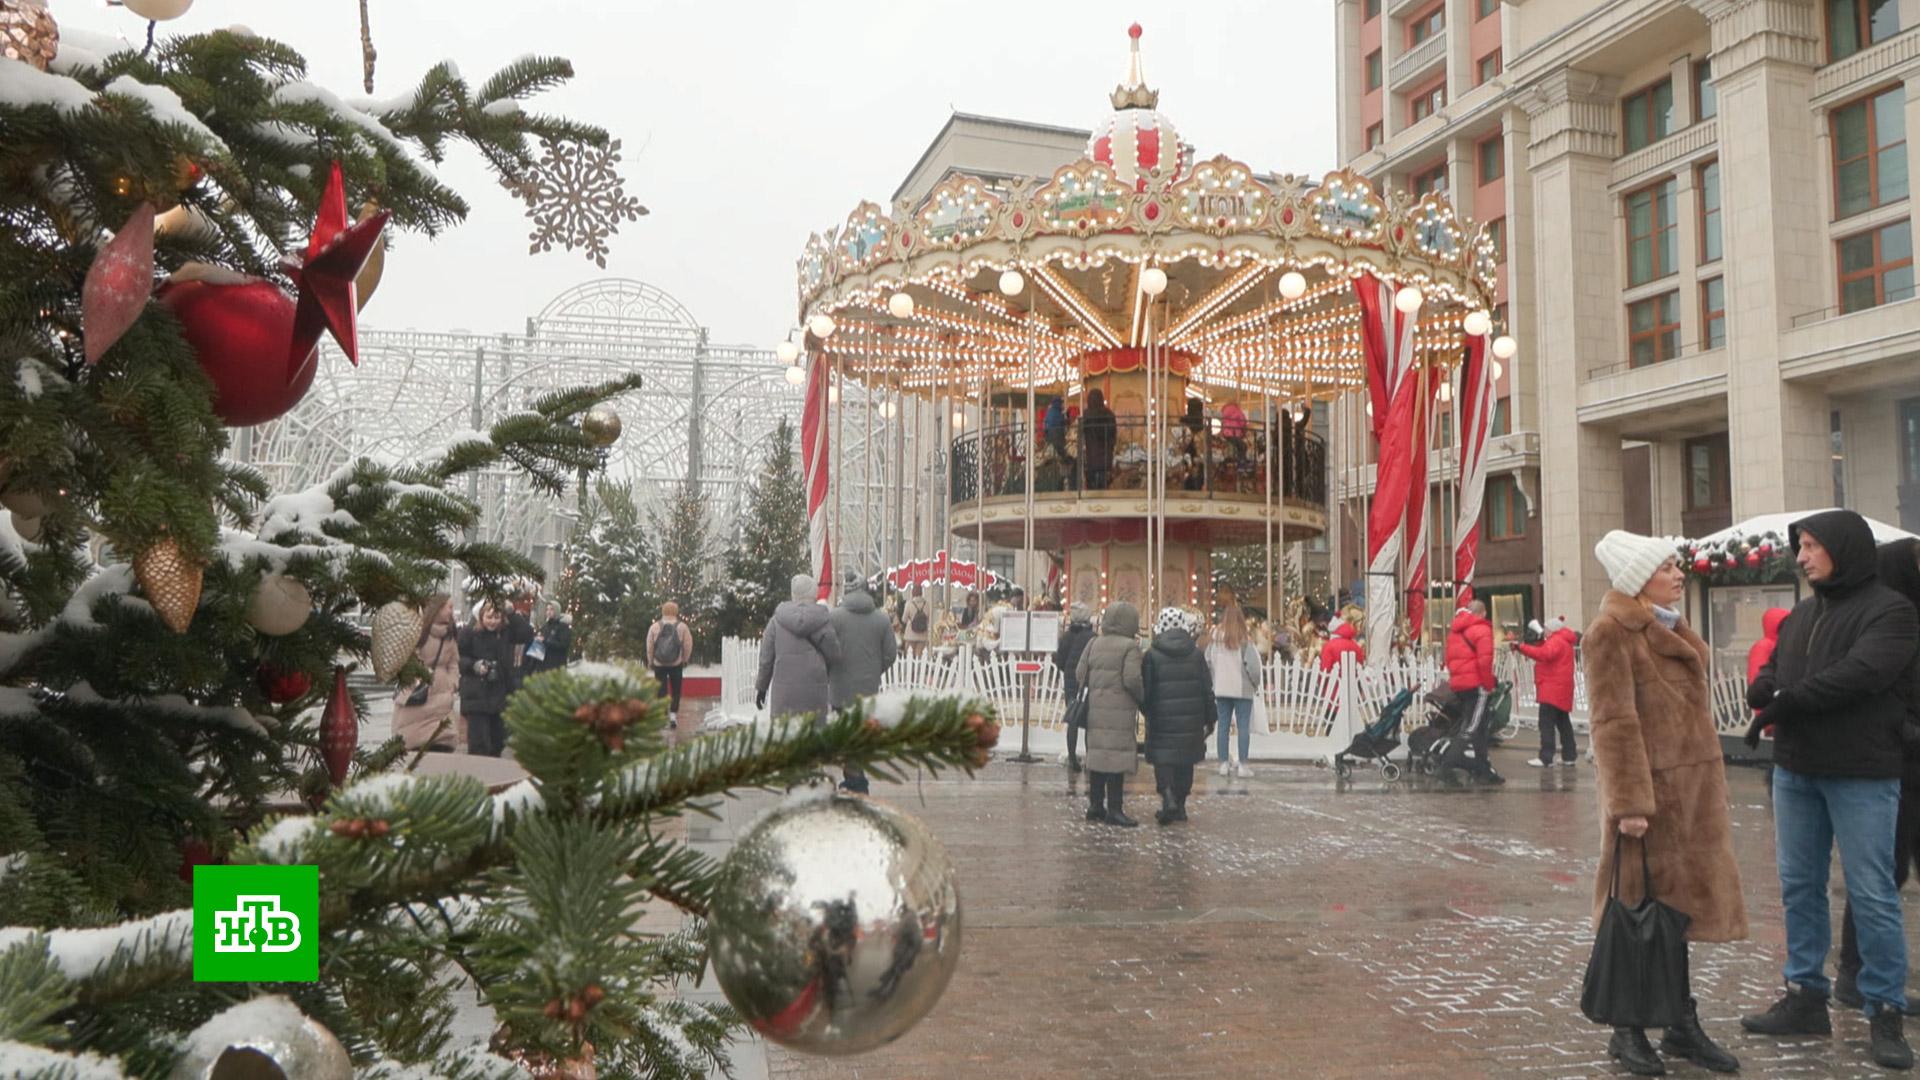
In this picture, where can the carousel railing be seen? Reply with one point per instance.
(1199, 463)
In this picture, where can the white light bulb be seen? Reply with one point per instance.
(1505, 347)
(1498, 371)
(833, 395)
(1153, 281)
(1477, 323)
(886, 409)
(159, 10)
(1293, 284)
(796, 375)
(1408, 299)
(1011, 283)
(1215, 424)
(1446, 391)
(787, 351)
(959, 419)
(821, 325)
(901, 305)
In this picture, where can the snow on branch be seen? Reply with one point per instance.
(20, 1059)
(81, 954)
(173, 705)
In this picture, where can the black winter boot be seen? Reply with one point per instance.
(1096, 797)
(1889, 1044)
(1179, 808)
(1798, 1012)
(1165, 813)
(1117, 790)
(1687, 1040)
(1630, 1047)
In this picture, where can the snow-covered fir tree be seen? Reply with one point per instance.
(770, 546)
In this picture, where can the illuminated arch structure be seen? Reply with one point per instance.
(705, 412)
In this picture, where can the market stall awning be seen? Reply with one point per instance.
(1777, 524)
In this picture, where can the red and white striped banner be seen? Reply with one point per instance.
(1393, 387)
(815, 472)
(1419, 529)
(1476, 429)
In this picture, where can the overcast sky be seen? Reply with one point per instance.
(746, 126)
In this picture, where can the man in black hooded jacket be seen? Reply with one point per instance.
(1835, 695)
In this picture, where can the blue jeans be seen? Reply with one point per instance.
(1227, 709)
(1809, 814)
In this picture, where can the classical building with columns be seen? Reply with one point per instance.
(1705, 215)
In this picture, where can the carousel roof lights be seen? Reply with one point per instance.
(1075, 305)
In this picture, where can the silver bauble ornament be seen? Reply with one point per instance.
(396, 629)
(602, 426)
(28, 528)
(279, 606)
(836, 924)
(23, 502)
(265, 1038)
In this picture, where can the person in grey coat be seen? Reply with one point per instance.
(1110, 670)
(867, 650)
(798, 654)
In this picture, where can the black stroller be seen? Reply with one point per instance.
(1447, 747)
(1379, 739)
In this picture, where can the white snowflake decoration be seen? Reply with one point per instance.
(576, 198)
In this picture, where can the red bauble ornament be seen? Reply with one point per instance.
(1766, 550)
(240, 333)
(118, 283)
(1753, 559)
(1702, 565)
(339, 729)
(281, 686)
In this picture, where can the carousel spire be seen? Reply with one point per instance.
(1133, 93)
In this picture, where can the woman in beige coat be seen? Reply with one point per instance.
(434, 723)
(1663, 779)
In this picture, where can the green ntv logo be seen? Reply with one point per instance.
(256, 923)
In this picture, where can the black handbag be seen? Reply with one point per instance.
(1077, 711)
(423, 689)
(1637, 975)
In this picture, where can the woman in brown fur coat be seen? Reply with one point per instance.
(1662, 776)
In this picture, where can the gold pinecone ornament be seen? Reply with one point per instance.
(171, 582)
(28, 32)
(396, 629)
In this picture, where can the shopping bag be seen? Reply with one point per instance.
(1260, 723)
(1637, 975)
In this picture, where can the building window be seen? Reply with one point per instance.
(1839, 447)
(1869, 153)
(1706, 103)
(1653, 329)
(1648, 115)
(1651, 233)
(1376, 134)
(1876, 267)
(1713, 313)
(1502, 422)
(1373, 9)
(1708, 475)
(1486, 67)
(1707, 181)
(1484, 8)
(1493, 158)
(1506, 510)
(1853, 25)
(1427, 103)
(1433, 180)
(1373, 70)
(1497, 235)
(1910, 441)
(1426, 24)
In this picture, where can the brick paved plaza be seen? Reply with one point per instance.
(1292, 929)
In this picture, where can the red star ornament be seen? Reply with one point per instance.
(336, 252)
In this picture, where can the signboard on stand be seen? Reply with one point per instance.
(1030, 632)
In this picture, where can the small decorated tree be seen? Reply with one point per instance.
(771, 543)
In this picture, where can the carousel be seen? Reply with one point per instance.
(1124, 356)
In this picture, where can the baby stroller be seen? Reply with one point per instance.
(1380, 738)
(1448, 745)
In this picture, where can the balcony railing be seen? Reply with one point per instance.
(1200, 464)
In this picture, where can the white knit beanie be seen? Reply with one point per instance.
(1631, 559)
(1554, 625)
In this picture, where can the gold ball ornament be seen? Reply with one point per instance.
(28, 32)
(376, 264)
(396, 628)
(28, 528)
(279, 606)
(171, 582)
(602, 426)
(264, 1038)
(184, 221)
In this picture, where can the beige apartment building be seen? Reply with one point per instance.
(1704, 213)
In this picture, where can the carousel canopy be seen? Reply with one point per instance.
(982, 284)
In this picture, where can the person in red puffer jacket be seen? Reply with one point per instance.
(1762, 650)
(1553, 690)
(1342, 642)
(1470, 676)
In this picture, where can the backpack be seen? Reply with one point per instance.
(919, 623)
(666, 646)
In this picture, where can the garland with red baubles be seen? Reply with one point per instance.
(1755, 559)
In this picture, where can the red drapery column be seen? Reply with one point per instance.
(815, 470)
(1476, 429)
(1393, 386)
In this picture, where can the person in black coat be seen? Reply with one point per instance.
(1098, 431)
(1073, 642)
(486, 671)
(1835, 694)
(1899, 567)
(556, 642)
(1179, 707)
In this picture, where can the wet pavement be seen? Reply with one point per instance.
(1295, 927)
